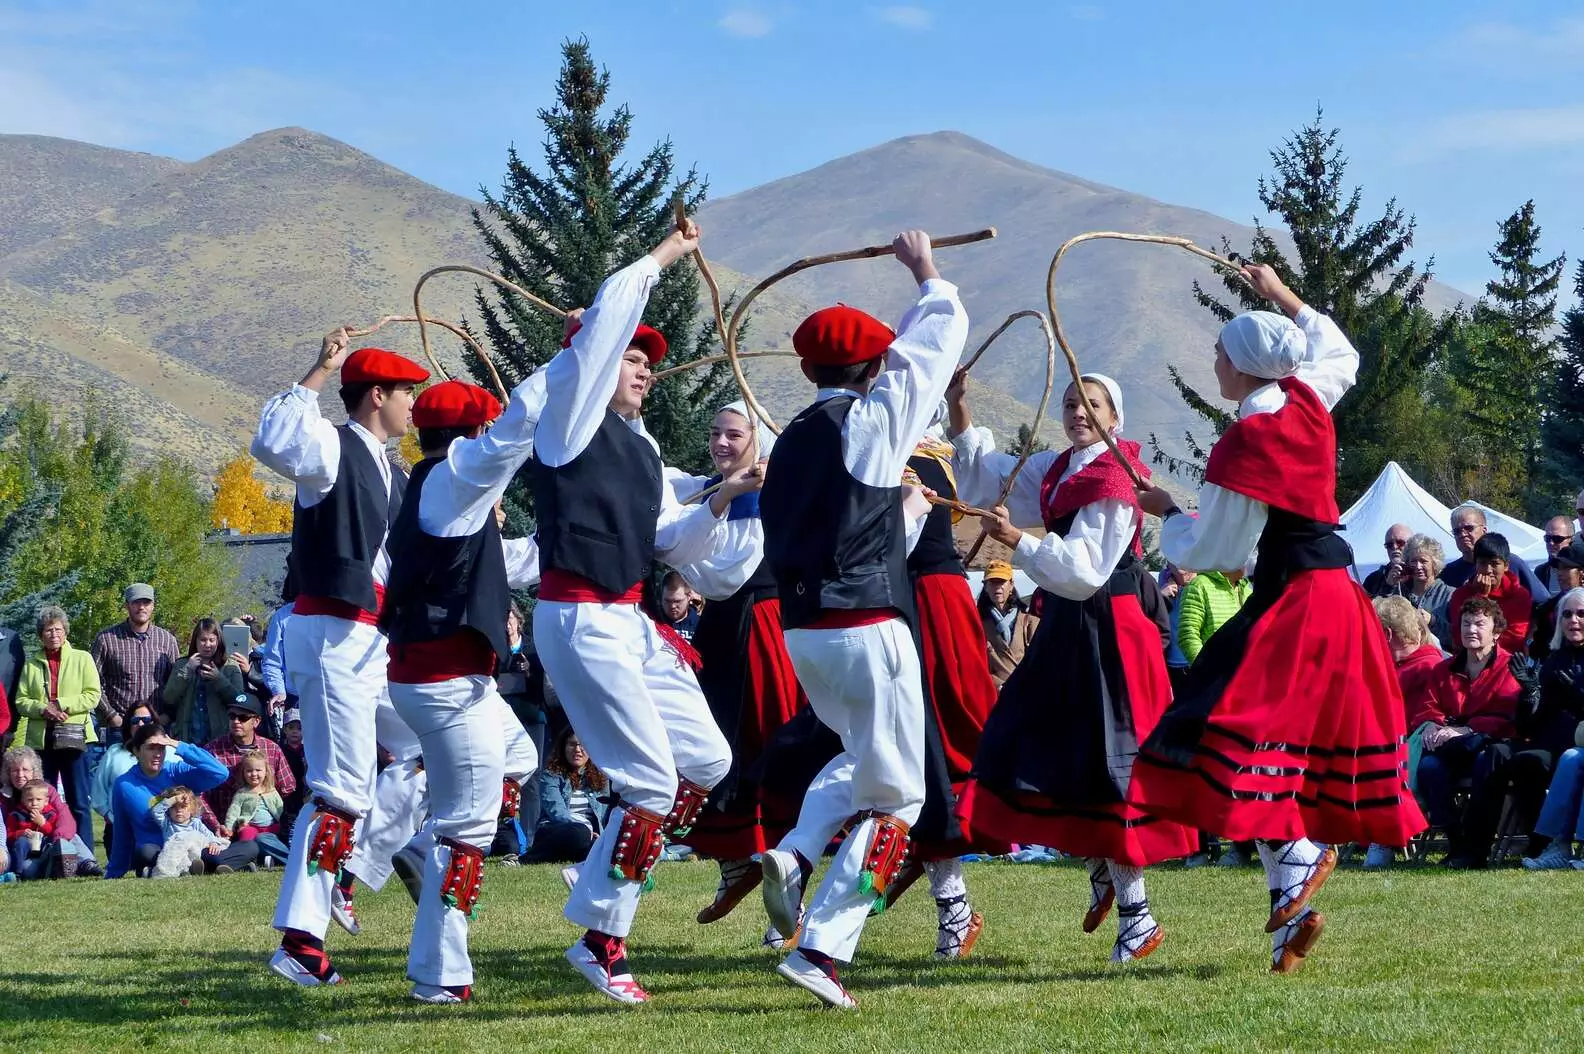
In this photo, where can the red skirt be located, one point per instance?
(1306, 737)
(755, 818)
(1060, 686)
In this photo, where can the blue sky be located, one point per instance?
(1460, 109)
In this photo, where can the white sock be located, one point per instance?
(946, 878)
(1128, 881)
(1135, 926)
(1099, 878)
(953, 915)
(1286, 933)
(1288, 866)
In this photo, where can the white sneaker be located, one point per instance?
(1555, 857)
(342, 911)
(408, 863)
(783, 889)
(569, 875)
(1379, 858)
(433, 993)
(287, 966)
(803, 973)
(621, 987)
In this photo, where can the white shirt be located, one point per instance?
(522, 562)
(460, 493)
(738, 548)
(1227, 530)
(1074, 566)
(295, 440)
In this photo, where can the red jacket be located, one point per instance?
(17, 822)
(1517, 606)
(1413, 674)
(1488, 704)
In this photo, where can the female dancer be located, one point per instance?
(1057, 754)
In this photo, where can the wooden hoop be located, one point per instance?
(423, 320)
(711, 360)
(866, 253)
(451, 327)
(1061, 337)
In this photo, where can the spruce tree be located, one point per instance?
(1562, 431)
(1351, 269)
(560, 231)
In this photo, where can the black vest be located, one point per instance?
(440, 586)
(936, 551)
(833, 543)
(334, 543)
(597, 513)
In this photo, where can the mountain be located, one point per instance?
(49, 185)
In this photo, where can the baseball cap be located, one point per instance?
(137, 591)
(293, 714)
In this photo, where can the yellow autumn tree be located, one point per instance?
(241, 502)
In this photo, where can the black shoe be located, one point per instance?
(1460, 862)
(89, 869)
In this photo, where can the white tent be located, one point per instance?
(1393, 498)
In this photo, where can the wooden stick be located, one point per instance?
(958, 506)
(711, 360)
(1061, 336)
(1039, 414)
(452, 327)
(422, 319)
(1002, 328)
(706, 492)
(867, 253)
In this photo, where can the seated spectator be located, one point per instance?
(138, 836)
(1493, 579)
(57, 697)
(1391, 578)
(1468, 704)
(116, 760)
(571, 815)
(1416, 656)
(1008, 626)
(1468, 527)
(291, 746)
(1558, 728)
(1424, 557)
(1567, 573)
(186, 840)
(241, 741)
(202, 686)
(1558, 536)
(31, 827)
(256, 805)
(22, 766)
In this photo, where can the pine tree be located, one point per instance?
(1016, 445)
(1351, 270)
(559, 233)
(1562, 431)
(1509, 368)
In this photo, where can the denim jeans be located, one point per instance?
(1561, 817)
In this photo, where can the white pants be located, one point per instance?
(176, 856)
(865, 684)
(462, 726)
(336, 668)
(643, 721)
(400, 801)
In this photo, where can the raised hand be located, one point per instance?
(913, 249)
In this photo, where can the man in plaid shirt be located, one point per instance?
(134, 658)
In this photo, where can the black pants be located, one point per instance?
(72, 768)
(1502, 769)
(565, 842)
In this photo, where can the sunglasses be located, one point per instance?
(242, 717)
(1559, 539)
(134, 722)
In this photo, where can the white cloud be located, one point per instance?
(744, 22)
(1508, 131)
(1521, 48)
(907, 16)
(1086, 12)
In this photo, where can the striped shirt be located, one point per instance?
(132, 667)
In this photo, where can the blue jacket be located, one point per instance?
(555, 795)
(132, 800)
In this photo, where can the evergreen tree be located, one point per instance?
(1016, 445)
(1562, 431)
(1508, 368)
(559, 233)
(1350, 269)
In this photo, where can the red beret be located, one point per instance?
(375, 366)
(651, 340)
(454, 404)
(841, 336)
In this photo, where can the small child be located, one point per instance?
(186, 837)
(256, 809)
(31, 830)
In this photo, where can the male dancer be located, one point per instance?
(836, 538)
(446, 616)
(604, 514)
(347, 496)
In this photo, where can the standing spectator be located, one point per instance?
(1558, 534)
(571, 814)
(291, 746)
(1566, 568)
(1468, 527)
(1391, 578)
(134, 658)
(1171, 581)
(1425, 559)
(1492, 578)
(676, 606)
(58, 694)
(520, 680)
(12, 658)
(202, 686)
(242, 741)
(272, 661)
(1008, 626)
(138, 837)
(1469, 703)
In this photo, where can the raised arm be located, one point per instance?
(293, 438)
(522, 562)
(982, 471)
(461, 491)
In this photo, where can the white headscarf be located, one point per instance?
(765, 437)
(1114, 390)
(1264, 344)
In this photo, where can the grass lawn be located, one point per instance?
(1416, 959)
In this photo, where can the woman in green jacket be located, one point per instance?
(56, 698)
(202, 687)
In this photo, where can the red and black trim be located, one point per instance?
(464, 877)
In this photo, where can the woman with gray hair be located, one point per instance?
(1424, 558)
(57, 696)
